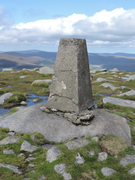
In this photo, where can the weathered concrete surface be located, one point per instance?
(120, 102)
(71, 88)
(58, 129)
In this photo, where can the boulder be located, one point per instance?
(127, 160)
(5, 96)
(107, 171)
(58, 129)
(52, 153)
(9, 166)
(132, 77)
(10, 140)
(26, 146)
(118, 101)
(45, 70)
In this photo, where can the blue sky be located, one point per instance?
(107, 26)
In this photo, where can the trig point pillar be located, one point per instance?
(70, 90)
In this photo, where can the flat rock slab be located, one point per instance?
(8, 151)
(59, 129)
(9, 166)
(107, 171)
(109, 85)
(77, 143)
(120, 102)
(129, 93)
(26, 146)
(100, 80)
(52, 153)
(127, 160)
(9, 140)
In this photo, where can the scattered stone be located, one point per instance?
(71, 73)
(107, 171)
(77, 143)
(21, 77)
(79, 159)
(118, 101)
(5, 96)
(42, 177)
(33, 171)
(9, 140)
(96, 139)
(129, 93)
(26, 146)
(61, 169)
(35, 100)
(102, 156)
(20, 155)
(127, 160)
(13, 168)
(109, 85)
(132, 77)
(52, 153)
(31, 165)
(115, 69)
(11, 133)
(132, 171)
(34, 137)
(23, 103)
(29, 158)
(91, 153)
(100, 80)
(48, 146)
(113, 145)
(45, 70)
(8, 151)
(7, 69)
(44, 109)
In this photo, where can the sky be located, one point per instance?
(107, 25)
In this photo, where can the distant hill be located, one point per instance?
(36, 58)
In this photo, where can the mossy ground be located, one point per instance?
(92, 167)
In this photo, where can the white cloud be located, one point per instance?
(105, 28)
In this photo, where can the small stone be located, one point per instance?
(42, 177)
(24, 103)
(44, 109)
(102, 156)
(25, 179)
(48, 146)
(26, 146)
(96, 139)
(134, 128)
(107, 171)
(52, 153)
(77, 143)
(31, 165)
(133, 147)
(91, 153)
(33, 171)
(35, 100)
(10, 140)
(21, 77)
(34, 137)
(8, 151)
(9, 166)
(54, 110)
(127, 160)
(79, 159)
(11, 133)
(132, 171)
(30, 158)
(20, 155)
(30, 155)
(115, 156)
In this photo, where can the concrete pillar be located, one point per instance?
(70, 90)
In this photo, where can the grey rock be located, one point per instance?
(96, 139)
(52, 153)
(61, 169)
(45, 70)
(5, 96)
(58, 129)
(35, 100)
(71, 73)
(42, 177)
(10, 139)
(23, 103)
(25, 179)
(102, 156)
(11, 133)
(33, 171)
(79, 159)
(129, 93)
(7, 69)
(93, 71)
(8, 151)
(77, 143)
(31, 165)
(9, 166)
(42, 81)
(132, 77)
(107, 171)
(115, 69)
(29, 158)
(132, 171)
(20, 155)
(109, 85)
(34, 137)
(91, 153)
(26, 146)
(44, 109)
(100, 80)
(21, 77)
(133, 146)
(48, 146)
(118, 101)
(127, 160)
(134, 128)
